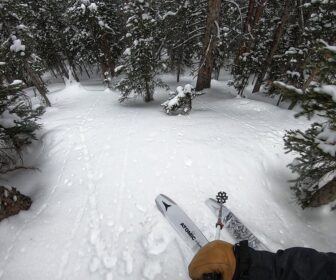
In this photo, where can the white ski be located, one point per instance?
(183, 225)
(234, 226)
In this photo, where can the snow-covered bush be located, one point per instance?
(17, 124)
(316, 147)
(180, 101)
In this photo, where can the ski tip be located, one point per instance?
(159, 206)
(165, 198)
(163, 202)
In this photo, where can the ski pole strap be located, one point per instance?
(243, 261)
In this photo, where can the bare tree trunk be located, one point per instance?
(178, 73)
(12, 202)
(277, 36)
(86, 71)
(74, 73)
(209, 43)
(34, 77)
(324, 195)
(148, 94)
(63, 70)
(258, 11)
(251, 11)
(53, 72)
(217, 72)
(255, 11)
(179, 64)
(108, 61)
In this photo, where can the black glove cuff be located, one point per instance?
(241, 251)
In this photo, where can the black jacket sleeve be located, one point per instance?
(290, 264)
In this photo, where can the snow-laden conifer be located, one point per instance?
(141, 58)
(315, 163)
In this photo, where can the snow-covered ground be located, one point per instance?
(101, 165)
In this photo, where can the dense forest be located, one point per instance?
(286, 49)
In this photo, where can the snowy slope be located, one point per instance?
(102, 165)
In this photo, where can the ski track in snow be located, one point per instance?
(122, 156)
(90, 197)
(122, 186)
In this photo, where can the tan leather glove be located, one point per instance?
(216, 256)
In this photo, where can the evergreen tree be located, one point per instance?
(141, 58)
(230, 30)
(260, 21)
(17, 122)
(316, 147)
(47, 24)
(311, 21)
(19, 47)
(209, 45)
(272, 48)
(93, 35)
(183, 23)
(17, 118)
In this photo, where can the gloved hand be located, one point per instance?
(216, 256)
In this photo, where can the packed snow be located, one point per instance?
(101, 164)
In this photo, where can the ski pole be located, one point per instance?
(221, 198)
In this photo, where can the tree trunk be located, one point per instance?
(217, 72)
(246, 28)
(179, 64)
(12, 202)
(37, 83)
(251, 11)
(74, 73)
(53, 72)
(277, 36)
(209, 43)
(108, 60)
(255, 11)
(258, 11)
(63, 70)
(148, 94)
(178, 72)
(86, 71)
(323, 196)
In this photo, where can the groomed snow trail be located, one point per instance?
(102, 164)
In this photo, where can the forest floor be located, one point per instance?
(101, 165)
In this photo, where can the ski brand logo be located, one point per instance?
(166, 205)
(187, 230)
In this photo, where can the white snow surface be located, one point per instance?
(101, 165)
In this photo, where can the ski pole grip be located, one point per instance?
(212, 276)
